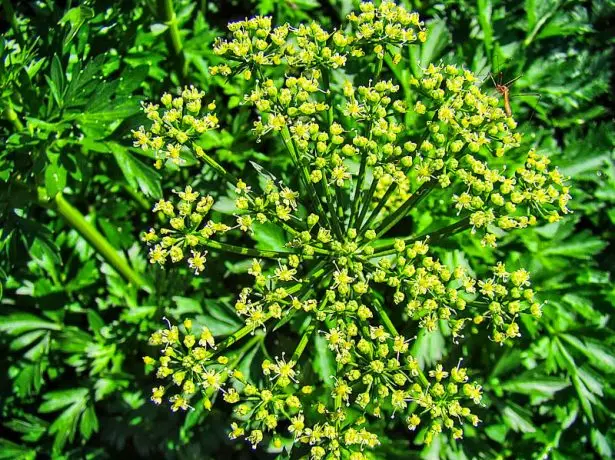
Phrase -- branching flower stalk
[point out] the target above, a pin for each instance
(338, 277)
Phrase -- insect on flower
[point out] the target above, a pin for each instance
(504, 90)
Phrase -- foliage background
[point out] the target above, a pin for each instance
(73, 328)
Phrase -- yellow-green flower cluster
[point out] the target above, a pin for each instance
(256, 44)
(188, 362)
(493, 199)
(187, 230)
(364, 156)
(180, 119)
(384, 25)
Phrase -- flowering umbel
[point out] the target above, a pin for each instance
(366, 155)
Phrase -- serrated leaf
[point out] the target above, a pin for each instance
(518, 419)
(89, 422)
(18, 323)
(581, 248)
(438, 37)
(586, 398)
(26, 339)
(531, 385)
(600, 357)
(601, 444)
(12, 451)
(56, 400)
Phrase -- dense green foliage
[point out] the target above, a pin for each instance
(79, 301)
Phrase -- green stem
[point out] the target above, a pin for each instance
(234, 363)
(294, 154)
(219, 168)
(104, 248)
(245, 330)
(305, 337)
(449, 230)
(334, 222)
(253, 252)
(362, 168)
(233, 181)
(402, 211)
(359, 186)
(12, 117)
(326, 81)
(170, 19)
(366, 202)
(388, 324)
(384, 317)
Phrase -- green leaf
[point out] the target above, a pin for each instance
(18, 323)
(600, 357)
(484, 19)
(26, 339)
(57, 80)
(138, 174)
(31, 427)
(546, 386)
(438, 37)
(518, 418)
(89, 422)
(55, 179)
(583, 306)
(324, 360)
(56, 400)
(428, 348)
(586, 397)
(76, 17)
(601, 444)
(108, 111)
(269, 237)
(158, 29)
(78, 413)
(582, 247)
(12, 451)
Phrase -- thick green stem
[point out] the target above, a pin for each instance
(12, 117)
(104, 248)
(167, 13)
(388, 324)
